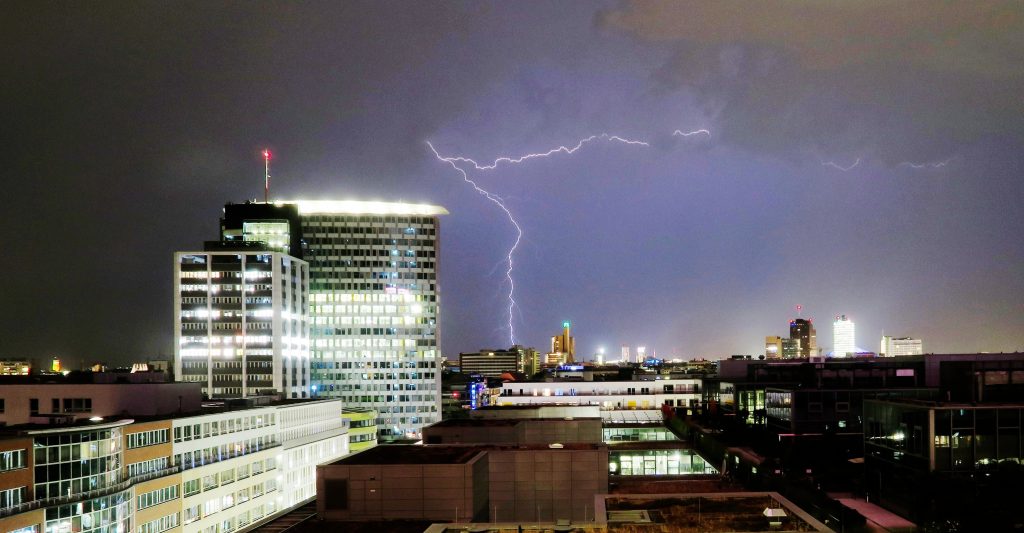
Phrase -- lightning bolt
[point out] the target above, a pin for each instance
(519, 232)
(835, 165)
(919, 166)
(689, 133)
(456, 161)
(561, 149)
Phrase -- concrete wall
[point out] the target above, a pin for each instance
(404, 491)
(546, 485)
(108, 400)
(560, 431)
(539, 411)
(524, 432)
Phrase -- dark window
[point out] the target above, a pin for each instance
(33, 406)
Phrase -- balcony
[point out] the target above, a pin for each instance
(82, 496)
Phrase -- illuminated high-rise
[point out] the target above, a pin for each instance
(843, 344)
(373, 300)
(563, 347)
(241, 321)
(773, 347)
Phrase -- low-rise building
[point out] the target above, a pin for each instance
(682, 393)
(217, 470)
(457, 482)
(362, 428)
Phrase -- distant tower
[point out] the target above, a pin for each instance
(564, 344)
(625, 353)
(843, 344)
(802, 329)
(599, 357)
(641, 354)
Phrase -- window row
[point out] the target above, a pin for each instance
(222, 427)
(224, 452)
(145, 467)
(158, 496)
(160, 524)
(12, 460)
(147, 438)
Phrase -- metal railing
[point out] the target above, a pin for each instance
(88, 495)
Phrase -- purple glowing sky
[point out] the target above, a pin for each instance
(128, 126)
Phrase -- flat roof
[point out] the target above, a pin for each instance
(440, 454)
(410, 454)
(471, 422)
(356, 207)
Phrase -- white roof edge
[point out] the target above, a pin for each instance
(357, 207)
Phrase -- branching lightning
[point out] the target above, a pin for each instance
(519, 232)
(561, 149)
(456, 161)
(837, 166)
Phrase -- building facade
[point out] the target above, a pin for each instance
(605, 394)
(241, 321)
(493, 363)
(218, 472)
(374, 300)
(802, 330)
(563, 346)
(843, 335)
(899, 346)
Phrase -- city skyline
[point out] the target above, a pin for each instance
(830, 175)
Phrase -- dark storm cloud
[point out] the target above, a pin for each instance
(127, 125)
(899, 81)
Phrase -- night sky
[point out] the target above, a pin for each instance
(127, 126)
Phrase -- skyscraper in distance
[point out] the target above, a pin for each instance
(843, 343)
(803, 330)
(563, 346)
(374, 299)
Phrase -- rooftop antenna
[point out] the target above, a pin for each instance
(799, 311)
(266, 181)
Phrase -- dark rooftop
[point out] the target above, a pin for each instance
(471, 422)
(411, 454)
(439, 454)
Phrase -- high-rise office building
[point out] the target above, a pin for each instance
(625, 353)
(772, 347)
(896, 346)
(843, 343)
(241, 321)
(790, 348)
(641, 354)
(373, 300)
(563, 347)
(803, 330)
